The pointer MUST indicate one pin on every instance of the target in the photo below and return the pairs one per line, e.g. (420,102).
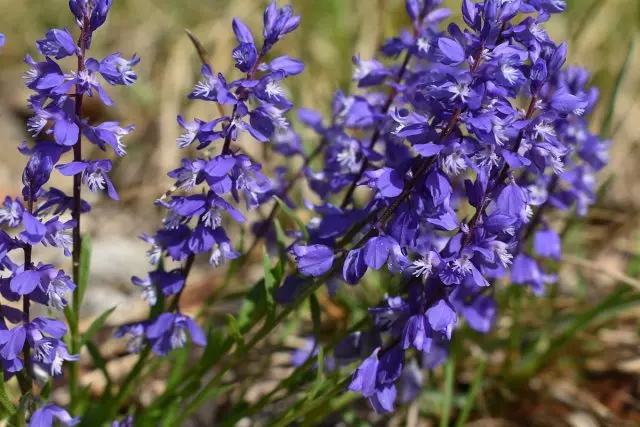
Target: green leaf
(71,319)
(293,216)
(85,400)
(539,356)
(46,390)
(85,267)
(320,376)
(179,363)
(5,403)
(620,78)
(269,280)
(234,330)
(279,269)
(171,414)
(95,325)
(470,401)
(449,380)
(217,345)
(254,306)
(314,305)
(100,362)
(281,237)
(269,287)
(21,410)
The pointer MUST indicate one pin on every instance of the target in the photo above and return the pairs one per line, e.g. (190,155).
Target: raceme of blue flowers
(46,215)
(462,138)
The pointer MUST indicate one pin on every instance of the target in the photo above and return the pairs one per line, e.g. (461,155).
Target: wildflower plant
(439,172)
(35,348)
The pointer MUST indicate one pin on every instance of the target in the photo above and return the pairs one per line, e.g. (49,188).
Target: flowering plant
(439,173)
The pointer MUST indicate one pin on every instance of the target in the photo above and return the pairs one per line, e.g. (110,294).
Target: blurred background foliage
(577,350)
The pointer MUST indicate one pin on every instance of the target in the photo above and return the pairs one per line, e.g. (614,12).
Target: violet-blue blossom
(40,215)
(212,188)
(451,130)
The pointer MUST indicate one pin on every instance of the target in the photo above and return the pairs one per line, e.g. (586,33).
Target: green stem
(335,405)
(449,383)
(476,388)
(291,382)
(127,384)
(75,214)
(312,407)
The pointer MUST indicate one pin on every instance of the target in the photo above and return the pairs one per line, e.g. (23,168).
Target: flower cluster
(210,187)
(47,216)
(482,131)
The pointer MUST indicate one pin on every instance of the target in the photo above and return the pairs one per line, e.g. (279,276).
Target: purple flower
(248,179)
(38,214)
(285,64)
(99,11)
(314,260)
(450,135)
(109,133)
(119,71)
(38,170)
(369,72)
(277,23)
(47,414)
(34,230)
(12,342)
(11,212)
(59,44)
(94,175)
(169,331)
(125,422)
(245,54)
(43,77)
(50,354)
(525,271)
(212,88)
(546,243)
(57,203)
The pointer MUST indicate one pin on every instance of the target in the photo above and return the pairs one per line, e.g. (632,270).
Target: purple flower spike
(37,217)
(449,135)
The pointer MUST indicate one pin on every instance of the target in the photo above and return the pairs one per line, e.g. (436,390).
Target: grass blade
(100,363)
(470,401)
(449,380)
(605,129)
(85,267)
(536,360)
(96,325)
(301,226)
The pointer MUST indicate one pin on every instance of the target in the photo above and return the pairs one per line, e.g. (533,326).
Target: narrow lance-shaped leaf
(605,129)
(85,267)
(293,216)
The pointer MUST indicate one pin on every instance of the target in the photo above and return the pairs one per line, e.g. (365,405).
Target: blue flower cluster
(462,147)
(47,216)
(209,187)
